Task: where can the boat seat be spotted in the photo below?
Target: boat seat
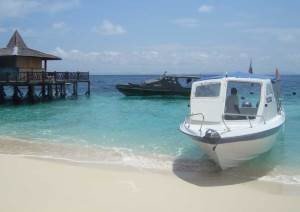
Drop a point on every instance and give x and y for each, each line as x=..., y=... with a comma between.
x=251, y=111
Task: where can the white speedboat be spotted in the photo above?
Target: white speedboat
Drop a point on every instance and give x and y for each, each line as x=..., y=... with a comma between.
x=234, y=119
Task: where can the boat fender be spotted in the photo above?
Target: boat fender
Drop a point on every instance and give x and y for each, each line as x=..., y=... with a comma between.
x=211, y=136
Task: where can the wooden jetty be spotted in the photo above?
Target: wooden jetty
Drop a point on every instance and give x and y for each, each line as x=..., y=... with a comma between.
x=22, y=67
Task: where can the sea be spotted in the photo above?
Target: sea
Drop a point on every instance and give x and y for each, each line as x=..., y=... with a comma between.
x=140, y=132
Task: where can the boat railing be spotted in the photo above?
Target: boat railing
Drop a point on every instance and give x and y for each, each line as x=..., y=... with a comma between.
x=187, y=121
x=249, y=117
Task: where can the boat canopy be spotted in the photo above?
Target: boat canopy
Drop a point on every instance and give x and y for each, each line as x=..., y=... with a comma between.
x=241, y=74
x=233, y=98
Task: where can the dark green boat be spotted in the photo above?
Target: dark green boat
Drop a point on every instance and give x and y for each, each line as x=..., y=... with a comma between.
x=166, y=85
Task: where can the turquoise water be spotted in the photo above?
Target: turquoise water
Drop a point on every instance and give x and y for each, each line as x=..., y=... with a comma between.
x=143, y=128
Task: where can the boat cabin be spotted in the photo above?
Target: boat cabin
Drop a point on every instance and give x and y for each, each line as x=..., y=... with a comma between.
x=183, y=81
x=234, y=99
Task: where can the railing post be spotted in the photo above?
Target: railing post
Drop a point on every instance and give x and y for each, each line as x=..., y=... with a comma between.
x=249, y=122
x=77, y=75
x=7, y=76
x=27, y=76
x=54, y=76
x=43, y=76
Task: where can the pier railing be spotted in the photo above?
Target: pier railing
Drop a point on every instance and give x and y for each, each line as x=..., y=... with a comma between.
x=44, y=76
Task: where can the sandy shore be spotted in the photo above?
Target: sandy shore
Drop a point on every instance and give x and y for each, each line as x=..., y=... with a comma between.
x=29, y=184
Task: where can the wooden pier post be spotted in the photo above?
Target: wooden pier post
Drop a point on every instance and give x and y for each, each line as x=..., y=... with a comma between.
x=75, y=86
x=2, y=94
x=17, y=96
x=31, y=94
x=64, y=90
x=60, y=90
x=50, y=91
x=43, y=91
x=89, y=89
x=56, y=90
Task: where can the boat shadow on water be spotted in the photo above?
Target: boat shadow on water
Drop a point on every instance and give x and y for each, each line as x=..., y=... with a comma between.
x=204, y=172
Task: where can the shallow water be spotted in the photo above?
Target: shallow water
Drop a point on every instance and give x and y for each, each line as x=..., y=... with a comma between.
x=138, y=131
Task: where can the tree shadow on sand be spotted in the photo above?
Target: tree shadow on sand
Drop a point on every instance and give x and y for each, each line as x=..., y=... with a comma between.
x=204, y=172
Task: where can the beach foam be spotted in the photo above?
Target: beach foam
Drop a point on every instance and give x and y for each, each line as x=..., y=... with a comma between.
x=86, y=154
x=284, y=179
x=93, y=155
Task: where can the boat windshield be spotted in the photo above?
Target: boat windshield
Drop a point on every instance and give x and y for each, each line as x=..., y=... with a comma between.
x=151, y=81
x=208, y=90
x=242, y=99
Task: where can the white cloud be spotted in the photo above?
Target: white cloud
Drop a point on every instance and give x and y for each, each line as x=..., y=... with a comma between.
x=77, y=55
x=109, y=28
x=187, y=22
x=61, y=5
x=205, y=8
x=2, y=29
x=285, y=35
x=180, y=59
x=17, y=8
x=175, y=58
x=59, y=25
x=234, y=24
x=20, y=8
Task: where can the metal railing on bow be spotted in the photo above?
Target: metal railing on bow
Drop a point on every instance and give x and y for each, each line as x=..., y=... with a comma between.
x=239, y=117
x=187, y=121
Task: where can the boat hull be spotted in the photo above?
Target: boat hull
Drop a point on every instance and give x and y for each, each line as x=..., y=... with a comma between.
x=140, y=91
x=231, y=152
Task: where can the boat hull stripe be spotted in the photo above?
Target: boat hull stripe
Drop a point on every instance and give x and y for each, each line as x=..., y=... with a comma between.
x=253, y=136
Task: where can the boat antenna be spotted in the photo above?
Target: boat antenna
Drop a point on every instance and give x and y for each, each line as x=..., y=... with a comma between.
x=250, y=71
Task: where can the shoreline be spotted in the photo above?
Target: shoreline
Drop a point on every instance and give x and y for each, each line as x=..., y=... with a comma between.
x=193, y=171
x=31, y=184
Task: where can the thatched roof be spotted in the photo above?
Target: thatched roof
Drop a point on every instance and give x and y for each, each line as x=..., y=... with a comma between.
x=17, y=47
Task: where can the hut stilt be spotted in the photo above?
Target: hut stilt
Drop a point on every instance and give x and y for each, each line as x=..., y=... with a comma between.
x=2, y=94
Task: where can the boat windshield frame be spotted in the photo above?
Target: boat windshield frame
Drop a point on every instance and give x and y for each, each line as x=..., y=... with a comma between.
x=218, y=103
x=244, y=110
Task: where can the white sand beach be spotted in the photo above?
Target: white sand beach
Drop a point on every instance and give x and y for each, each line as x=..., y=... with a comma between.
x=29, y=184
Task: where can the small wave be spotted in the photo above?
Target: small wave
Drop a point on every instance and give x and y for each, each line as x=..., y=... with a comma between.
x=93, y=154
x=283, y=179
x=87, y=154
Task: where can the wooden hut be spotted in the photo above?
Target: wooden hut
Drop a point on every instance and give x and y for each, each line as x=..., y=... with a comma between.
x=21, y=66
x=17, y=57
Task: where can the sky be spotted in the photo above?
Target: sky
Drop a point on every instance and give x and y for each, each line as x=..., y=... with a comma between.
x=150, y=37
